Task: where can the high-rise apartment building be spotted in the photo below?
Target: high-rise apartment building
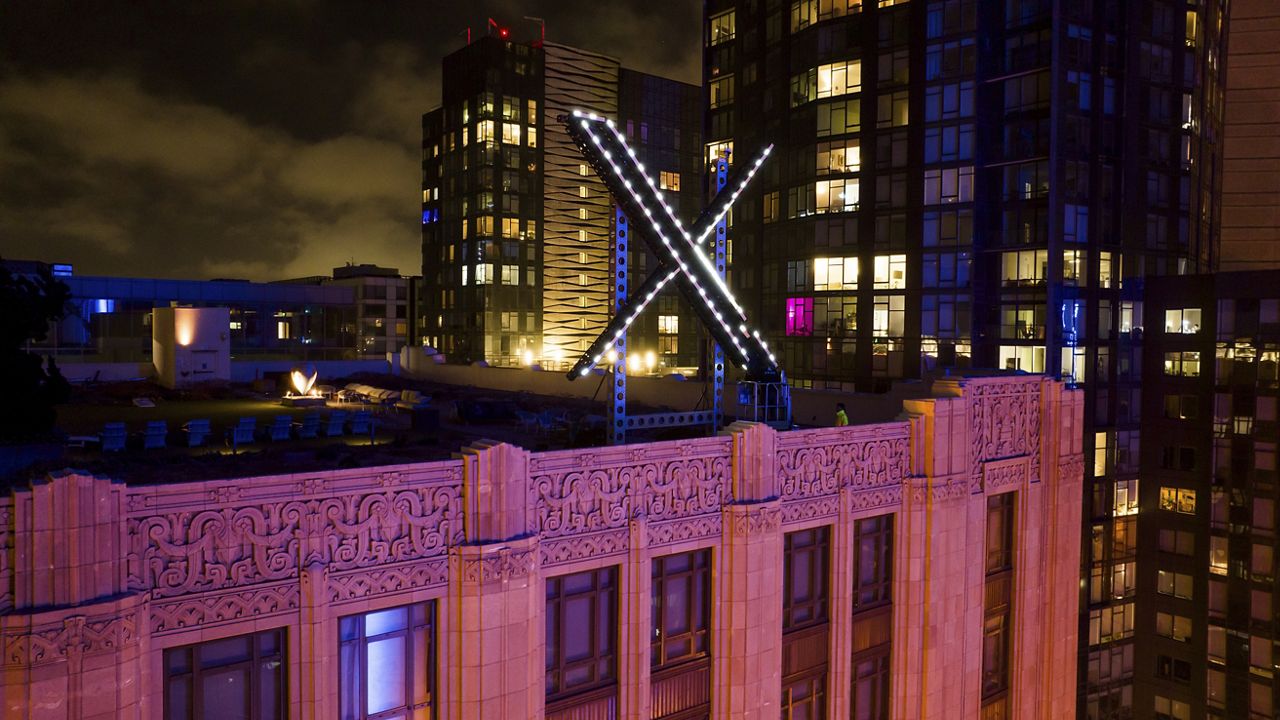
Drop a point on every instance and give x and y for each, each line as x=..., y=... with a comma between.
x=1251, y=161
x=1206, y=542
x=517, y=230
x=978, y=183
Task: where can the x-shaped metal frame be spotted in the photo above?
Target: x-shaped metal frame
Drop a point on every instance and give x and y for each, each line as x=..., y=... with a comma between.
x=682, y=254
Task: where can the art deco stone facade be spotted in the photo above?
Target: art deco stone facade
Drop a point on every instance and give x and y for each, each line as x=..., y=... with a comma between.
x=99, y=578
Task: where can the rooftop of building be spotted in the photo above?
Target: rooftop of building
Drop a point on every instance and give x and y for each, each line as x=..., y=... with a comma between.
x=457, y=414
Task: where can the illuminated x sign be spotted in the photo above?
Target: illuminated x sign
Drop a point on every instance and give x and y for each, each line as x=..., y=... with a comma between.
x=682, y=254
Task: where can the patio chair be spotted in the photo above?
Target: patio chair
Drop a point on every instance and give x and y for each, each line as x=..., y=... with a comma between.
x=309, y=427
x=361, y=422
x=279, y=428
x=155, y=436
x=197, y=432
x=113, y=437
x=242, y=432
x=333, y=424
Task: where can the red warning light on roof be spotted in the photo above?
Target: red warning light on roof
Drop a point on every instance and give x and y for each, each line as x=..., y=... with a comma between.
x=504, y=32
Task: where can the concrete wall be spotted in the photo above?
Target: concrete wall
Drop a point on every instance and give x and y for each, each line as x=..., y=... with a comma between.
x=190, y=346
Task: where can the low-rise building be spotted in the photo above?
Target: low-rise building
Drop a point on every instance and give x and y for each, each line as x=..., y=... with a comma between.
x=922, y=567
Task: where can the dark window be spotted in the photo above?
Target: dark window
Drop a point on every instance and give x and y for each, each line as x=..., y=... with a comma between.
x=807, y=557
x=999, y=533
x=872, y=617
x=582, y=630
x=873, y=565
x=680, y=644
x=805, y=698
x=388, y=663
x=236, y=677
x=871, y=687
x=997, y=604
x=681, y=608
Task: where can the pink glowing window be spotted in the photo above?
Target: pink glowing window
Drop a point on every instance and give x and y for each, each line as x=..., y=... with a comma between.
x=800, y=316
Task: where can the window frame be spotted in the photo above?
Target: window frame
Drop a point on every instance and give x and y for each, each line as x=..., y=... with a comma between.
x=253, y=664
x=421, y=616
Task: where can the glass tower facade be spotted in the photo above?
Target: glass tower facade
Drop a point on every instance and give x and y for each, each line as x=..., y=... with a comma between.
x=975, y=183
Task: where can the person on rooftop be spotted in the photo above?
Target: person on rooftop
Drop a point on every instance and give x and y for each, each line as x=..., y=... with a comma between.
x=842, y=418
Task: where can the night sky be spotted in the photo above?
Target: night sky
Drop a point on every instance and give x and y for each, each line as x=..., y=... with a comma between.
x=258, y=140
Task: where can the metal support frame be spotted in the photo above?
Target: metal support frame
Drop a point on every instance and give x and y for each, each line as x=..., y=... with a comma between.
x=719, y=247
x=617, y=434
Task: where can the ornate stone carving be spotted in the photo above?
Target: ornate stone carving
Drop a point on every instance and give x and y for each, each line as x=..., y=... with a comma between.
x=875, y=498
x=756, y=519
x=670, y=532
x=359, y=584
x=579, y=547
x=215, y=608
x=503, y=564
x=820, y=462
x=608, y=488
x=179, y=553
x=1002, y=475
x=1071, y=468
x=1006, y=421
x=801, y=510
x=75, y=635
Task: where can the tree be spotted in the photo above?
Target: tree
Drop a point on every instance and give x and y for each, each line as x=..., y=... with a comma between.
x=28, y=304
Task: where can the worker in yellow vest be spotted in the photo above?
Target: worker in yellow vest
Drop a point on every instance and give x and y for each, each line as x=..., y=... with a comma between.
x=842, y=418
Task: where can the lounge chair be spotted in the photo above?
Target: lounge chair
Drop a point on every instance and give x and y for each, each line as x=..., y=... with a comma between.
x=309, y=427
x=113, y=437
x=242, y=432
x=333, y=424
x=279, y=428
x=154, y=437
x=361, y=423
x=197, y=432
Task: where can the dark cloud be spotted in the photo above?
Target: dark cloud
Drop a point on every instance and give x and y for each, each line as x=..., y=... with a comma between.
x=261, y=140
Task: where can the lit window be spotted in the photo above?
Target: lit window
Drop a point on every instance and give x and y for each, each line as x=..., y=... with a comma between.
x=808, y=12
x=1184, y=364
x=839, y=78
x=1182, y=321
x=1179, y=500
x=721, y=28
x=582, y=213
x=799, y=316
x=949, y=185
x=1024, y=267
x=1028, y=358
x=484, y=274
x=717, y=150
x=282, y=330
x=1174, y=583
x=511, y=133
x=834, y=196
x=387, y=661
x=582, y=191
x=669, y=180
x=1074, y=267
x=721, y=90
x=841, y=156
x=484, y=131
x=668, y=324
x=531, y=136
x=890, y=272
x=510, y=275
x=1126, y=500
x=835, y=273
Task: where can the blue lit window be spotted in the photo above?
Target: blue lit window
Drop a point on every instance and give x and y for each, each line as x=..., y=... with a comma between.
x=388, y=663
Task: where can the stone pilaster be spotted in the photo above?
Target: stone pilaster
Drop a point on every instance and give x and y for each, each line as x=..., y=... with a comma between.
x=747, y=670
x=634, y=625
x=495, y=628
x=494, y=666
x=73, y=645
